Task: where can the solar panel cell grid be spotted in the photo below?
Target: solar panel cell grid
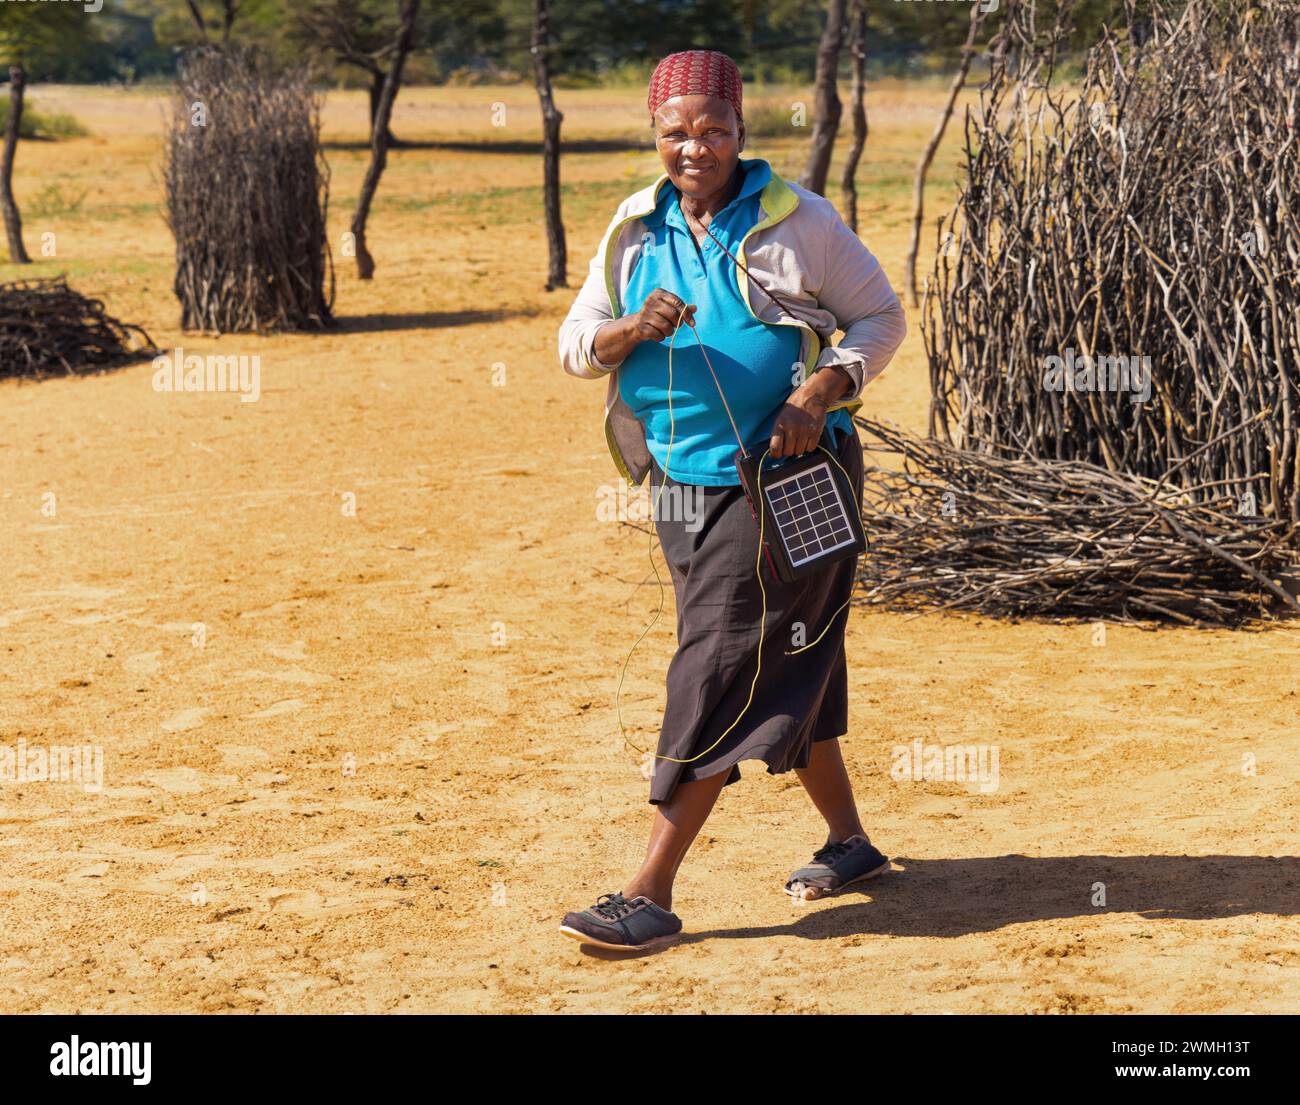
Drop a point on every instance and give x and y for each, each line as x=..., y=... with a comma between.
x=809, y=514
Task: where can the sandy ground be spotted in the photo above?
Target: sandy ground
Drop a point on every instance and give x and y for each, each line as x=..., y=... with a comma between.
x=387, y=762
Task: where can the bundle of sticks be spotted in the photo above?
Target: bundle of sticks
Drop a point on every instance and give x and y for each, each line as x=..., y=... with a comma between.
x=247, y=195
x=46, y=328
x=1143, y=220
x=974, y=530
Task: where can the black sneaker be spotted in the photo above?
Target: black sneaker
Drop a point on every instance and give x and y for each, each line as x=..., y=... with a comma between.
x=622, y=925
x=836, y=867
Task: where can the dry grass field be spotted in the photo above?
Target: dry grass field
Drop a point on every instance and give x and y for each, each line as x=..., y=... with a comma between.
x=388, y=762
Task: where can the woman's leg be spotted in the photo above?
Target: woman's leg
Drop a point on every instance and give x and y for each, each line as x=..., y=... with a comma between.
x=676, y=824
x=827, y=782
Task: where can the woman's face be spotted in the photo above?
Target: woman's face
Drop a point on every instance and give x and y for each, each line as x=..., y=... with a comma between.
x=699, y=141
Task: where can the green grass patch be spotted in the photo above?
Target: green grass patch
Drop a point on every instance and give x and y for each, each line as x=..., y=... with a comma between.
x=57, y=199
x=43, y=124
x=90, y=271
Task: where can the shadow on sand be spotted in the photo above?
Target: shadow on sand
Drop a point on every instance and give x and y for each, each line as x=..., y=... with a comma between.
x=425, y=320
x=581, y=145
x=957, y=897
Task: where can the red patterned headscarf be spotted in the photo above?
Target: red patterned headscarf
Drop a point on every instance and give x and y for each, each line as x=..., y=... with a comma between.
x=695, y=72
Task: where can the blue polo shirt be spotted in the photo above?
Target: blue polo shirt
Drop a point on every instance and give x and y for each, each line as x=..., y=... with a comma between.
x=755, y=361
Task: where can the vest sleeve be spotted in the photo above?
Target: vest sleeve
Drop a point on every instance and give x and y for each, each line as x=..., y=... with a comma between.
x=857, y=292
x=590, y=310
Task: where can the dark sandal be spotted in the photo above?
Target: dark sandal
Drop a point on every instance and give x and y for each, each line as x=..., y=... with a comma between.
x=836, y=867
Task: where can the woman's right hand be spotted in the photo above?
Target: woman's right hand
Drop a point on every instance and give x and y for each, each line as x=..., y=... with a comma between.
x=656, y=320
x=658, y=316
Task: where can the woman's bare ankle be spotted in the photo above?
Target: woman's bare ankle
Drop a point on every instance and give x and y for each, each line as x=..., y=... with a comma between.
x=660, y=895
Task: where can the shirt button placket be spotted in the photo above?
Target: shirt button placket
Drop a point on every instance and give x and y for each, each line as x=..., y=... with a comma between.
x=701, y=271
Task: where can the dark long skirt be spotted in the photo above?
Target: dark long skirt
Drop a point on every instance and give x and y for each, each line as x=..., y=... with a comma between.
x=798, y=699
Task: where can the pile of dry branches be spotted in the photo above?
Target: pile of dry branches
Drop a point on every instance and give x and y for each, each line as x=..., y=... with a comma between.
x=247, y=191
x=971, y=530
x=1149, y=209
x=47, y=328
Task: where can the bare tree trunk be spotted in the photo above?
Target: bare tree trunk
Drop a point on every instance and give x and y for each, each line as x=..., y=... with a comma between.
x=551, y=120
x=923, y=167
x=376, y=92
x=858, y=50
x=826, y=110
x=13, y=221
x=379, y=137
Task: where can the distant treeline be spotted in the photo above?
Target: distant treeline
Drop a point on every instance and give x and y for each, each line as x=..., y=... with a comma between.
x=482, y=40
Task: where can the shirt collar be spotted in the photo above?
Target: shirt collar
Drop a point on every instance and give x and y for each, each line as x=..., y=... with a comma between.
x=757, y=175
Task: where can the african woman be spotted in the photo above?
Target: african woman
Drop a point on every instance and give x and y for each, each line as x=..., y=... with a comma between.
x=764, y=272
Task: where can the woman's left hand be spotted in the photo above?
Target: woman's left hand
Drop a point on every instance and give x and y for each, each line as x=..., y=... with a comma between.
x=798, y=426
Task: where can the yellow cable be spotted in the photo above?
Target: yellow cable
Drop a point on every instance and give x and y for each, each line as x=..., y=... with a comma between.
x=758, y=574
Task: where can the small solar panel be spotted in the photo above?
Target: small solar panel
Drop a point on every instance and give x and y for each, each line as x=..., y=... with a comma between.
x=810, y=515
